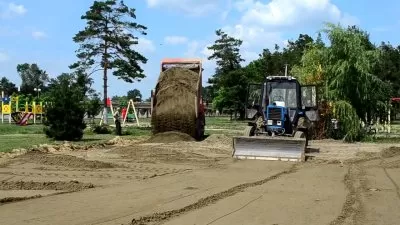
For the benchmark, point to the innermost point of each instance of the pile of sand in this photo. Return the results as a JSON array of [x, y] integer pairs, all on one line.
[[170, 137], [42, 158], [219, 139], [174, 102], [390, 152], [119, 141]]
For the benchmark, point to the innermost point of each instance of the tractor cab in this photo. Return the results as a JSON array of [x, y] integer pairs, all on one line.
[[278, 107], [281, 101], [282, 104]]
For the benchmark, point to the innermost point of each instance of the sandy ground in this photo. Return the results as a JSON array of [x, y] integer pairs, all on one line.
[[141, 182]]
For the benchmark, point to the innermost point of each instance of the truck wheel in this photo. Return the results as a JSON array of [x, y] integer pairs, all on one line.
[[200, 127]]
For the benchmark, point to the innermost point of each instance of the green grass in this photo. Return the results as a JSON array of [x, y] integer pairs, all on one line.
[[14, 129], [13, 136], [224, 123]]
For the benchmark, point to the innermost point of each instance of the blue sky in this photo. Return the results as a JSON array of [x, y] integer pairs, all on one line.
[[41, 31]]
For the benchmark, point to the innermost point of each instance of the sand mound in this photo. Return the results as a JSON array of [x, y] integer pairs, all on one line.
[[32, 185], [218, 139], [119, 141], [174, 102], [63, 160], [390, 152], [170, 137]]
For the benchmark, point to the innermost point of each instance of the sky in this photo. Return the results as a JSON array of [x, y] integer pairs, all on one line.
[[41, 31]]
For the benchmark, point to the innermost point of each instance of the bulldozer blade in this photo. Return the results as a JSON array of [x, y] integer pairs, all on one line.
[[269, 148]]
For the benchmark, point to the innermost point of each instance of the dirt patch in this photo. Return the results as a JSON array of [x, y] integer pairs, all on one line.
[[71, 186], [164, 216], [64, 160], [174, 101], [391, 165], [368, 156], [390, 152], [170, 137]]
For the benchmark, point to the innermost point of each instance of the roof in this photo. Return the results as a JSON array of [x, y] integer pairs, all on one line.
[[281, 78]]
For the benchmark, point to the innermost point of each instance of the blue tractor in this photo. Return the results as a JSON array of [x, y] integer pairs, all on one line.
[[282, 112]]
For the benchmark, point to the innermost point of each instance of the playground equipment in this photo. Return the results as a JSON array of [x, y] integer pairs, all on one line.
[[10, 107], [124, 112]]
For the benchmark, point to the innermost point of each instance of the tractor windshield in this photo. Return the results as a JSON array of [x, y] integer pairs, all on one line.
[[282, 91]]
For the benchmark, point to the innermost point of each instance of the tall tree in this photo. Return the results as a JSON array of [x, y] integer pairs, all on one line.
[[32, 77], [388, 67], [351, 62], [107, 42], [295, 49], [135, 95], [226, 52], [7, 86]]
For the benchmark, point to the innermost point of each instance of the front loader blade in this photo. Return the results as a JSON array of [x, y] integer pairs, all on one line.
[[269, 148]]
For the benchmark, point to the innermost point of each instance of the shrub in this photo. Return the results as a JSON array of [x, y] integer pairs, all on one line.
[[66, 111], [101, 129]]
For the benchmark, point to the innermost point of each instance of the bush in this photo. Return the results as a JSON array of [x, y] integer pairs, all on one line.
[[65, 114], [101, 129]]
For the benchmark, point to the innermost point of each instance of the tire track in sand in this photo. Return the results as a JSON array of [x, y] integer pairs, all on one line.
[[353, 208], [157, 218], [391, 180], [355, 182]]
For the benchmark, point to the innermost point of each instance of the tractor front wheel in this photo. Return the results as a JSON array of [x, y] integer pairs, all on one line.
[[249, 131]]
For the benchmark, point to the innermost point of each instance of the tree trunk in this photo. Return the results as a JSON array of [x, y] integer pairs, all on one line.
[[105, 83]]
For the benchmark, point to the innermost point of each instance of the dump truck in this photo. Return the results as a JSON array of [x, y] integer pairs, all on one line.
[[177, 98], [280, 127]]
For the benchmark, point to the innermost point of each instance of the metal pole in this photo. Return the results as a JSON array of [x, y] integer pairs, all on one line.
[[2, 113], [286, 70]]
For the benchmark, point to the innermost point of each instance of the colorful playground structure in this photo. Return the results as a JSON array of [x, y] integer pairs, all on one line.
[[20, 114], [128, 112]]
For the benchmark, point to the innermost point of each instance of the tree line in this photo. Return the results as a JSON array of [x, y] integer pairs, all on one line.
[[356, 76]]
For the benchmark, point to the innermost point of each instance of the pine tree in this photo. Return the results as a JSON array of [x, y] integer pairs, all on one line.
[[107, 42], [226, 52], [66, 111]]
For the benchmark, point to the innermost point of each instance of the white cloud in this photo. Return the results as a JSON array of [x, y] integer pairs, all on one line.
[[189, 7], [38, 35], [17, 9], [11, 9], [262, 25], [254, 38], [145, 45], [289, 13], [3, 57], [175, 40]]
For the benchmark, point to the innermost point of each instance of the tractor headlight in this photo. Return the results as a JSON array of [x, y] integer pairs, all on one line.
[[269, 122], [279, 123]]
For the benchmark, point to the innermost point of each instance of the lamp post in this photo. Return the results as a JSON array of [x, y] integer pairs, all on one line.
[[38, 90]]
